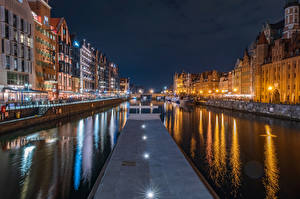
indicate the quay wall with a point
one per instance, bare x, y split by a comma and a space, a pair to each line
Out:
55, 113
291, 112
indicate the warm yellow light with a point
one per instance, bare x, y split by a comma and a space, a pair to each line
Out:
201, 92
235, 90
151, 91
210, 91
270, 88
217, 90
223, 91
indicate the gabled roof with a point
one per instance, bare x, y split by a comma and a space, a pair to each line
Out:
262, 39
55, 22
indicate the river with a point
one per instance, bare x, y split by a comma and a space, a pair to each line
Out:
241, 155
60, 159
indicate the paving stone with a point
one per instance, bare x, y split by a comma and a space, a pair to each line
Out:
166, 171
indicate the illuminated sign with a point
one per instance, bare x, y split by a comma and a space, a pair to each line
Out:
76, 44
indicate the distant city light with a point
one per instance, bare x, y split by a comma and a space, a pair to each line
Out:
143, 126
146, 155
76, 44
144, 137
151, 91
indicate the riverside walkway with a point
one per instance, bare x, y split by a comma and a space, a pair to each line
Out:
147, 163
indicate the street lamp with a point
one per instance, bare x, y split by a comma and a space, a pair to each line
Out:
270, 88
151, 91
235, 89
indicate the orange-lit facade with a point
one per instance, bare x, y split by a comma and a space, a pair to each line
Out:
208, 84
44, 49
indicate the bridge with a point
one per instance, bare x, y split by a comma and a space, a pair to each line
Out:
149, 95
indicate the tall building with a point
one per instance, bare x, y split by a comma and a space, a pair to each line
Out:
75, 70
183, 83
87, 69
113, 78
63, 58
17, 58
291, 18
242, 77
277, 60
208, 84
125, 85
45, 47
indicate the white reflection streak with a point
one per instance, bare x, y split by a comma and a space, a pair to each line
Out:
88, 151
78, 157
112, 128
96, 131
103, 129
27, 159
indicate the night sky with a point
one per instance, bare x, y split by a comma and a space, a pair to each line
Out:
152, 39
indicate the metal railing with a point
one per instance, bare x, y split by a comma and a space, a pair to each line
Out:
39, 104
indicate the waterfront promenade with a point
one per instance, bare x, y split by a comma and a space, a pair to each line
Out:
147, 163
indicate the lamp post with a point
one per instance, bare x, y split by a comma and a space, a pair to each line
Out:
270, 89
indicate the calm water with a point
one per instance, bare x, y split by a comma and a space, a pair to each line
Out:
241, 155
61, 159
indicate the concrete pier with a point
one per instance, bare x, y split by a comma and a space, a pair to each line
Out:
147, 163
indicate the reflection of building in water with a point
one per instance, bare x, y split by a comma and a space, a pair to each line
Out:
235, 162
222, 151
16, 143
87, 151
78, 156
216, 150
112, 128
193, 146
103, 129
209, 141
271, 168
178, 125
96, 131
201, 128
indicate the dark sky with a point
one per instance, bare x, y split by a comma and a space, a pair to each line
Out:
152, 39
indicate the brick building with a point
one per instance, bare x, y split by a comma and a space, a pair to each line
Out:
45, 47
63, 58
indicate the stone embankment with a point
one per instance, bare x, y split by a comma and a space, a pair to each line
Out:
291, 112
57, 112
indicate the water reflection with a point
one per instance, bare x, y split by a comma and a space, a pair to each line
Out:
235, 161
222, 168
209, 144
62, 161
271, 169
78, 156
223, 145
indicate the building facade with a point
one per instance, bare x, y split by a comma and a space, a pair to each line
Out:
278, 60
17, 58
44, 48
87, 72
208, 84
125, 85
113, 79
75, 70
63, 58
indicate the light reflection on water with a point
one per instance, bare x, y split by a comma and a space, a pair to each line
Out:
62, 161
229, 149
